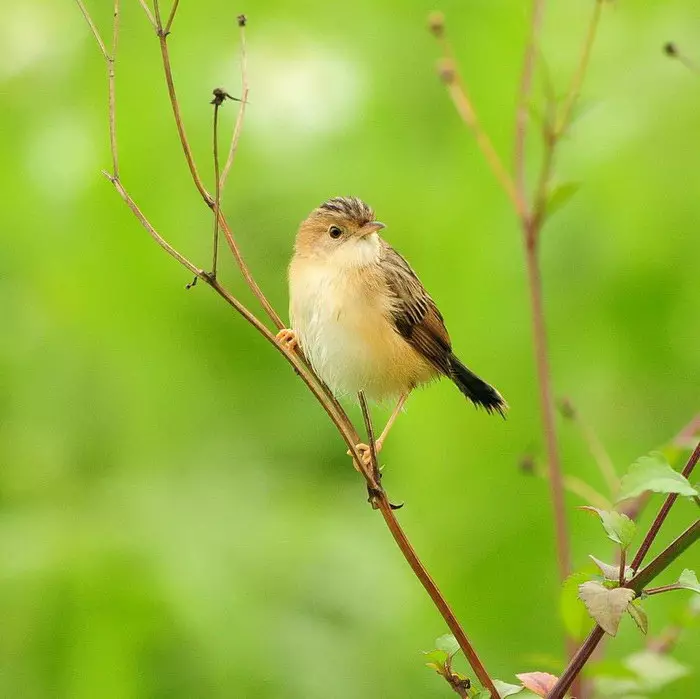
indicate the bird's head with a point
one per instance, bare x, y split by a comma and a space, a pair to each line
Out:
342, 230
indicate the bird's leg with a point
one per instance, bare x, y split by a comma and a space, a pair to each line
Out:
288, 339
364, 449
392, 419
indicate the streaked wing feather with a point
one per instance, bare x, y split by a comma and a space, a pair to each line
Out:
415, 315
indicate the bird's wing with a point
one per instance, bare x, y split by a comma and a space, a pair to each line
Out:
414, 314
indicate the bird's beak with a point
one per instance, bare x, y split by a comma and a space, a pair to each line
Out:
371, 227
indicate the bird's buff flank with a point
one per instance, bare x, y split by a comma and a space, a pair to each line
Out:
362, 317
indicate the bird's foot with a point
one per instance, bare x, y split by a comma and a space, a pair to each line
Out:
287, 338
365, 453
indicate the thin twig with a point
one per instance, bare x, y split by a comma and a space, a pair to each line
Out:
149, 14
233, 148
623, 563
450, 75
219, 97
112, 94
662, 588
579, 487
522, 115
95, 31
171, 18
367, 417
547, 410
208, 199
574, 90
595, 445
663, 513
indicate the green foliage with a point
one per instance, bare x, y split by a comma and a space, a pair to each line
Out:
619, 527
560, 196
448, 644
653, 473
507, 690
688, 580
639, 615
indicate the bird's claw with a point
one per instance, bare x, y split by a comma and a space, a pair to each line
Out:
287, 338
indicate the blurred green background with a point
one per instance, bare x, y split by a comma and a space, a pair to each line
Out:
177, 516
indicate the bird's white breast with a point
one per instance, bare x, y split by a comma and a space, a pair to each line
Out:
340, 313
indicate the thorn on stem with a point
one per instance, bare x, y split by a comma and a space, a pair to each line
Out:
242, 20
436, 24
193, 283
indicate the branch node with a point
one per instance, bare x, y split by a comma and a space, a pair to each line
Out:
447, 70
242, 20
436, 24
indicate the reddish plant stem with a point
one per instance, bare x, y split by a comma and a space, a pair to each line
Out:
521, 119
547, 405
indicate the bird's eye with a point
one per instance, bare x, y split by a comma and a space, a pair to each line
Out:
335, 232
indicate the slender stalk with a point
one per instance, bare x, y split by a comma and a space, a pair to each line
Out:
149, 14
663, 513
457, 88
662, 588
209, 201
623, 563
112, 94
238, 126
574, 90
217, 101
547, 410
521, 119
171, 18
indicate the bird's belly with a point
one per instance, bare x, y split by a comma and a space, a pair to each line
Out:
351, 343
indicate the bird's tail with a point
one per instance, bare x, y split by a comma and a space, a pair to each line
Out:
478, 391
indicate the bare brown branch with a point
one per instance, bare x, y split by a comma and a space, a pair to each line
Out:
522, 116
457, 89
233, 148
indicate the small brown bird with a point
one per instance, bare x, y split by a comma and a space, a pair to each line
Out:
362, 317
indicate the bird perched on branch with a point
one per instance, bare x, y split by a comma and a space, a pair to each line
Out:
362, 317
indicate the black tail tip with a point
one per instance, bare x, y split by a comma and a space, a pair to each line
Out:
477, 390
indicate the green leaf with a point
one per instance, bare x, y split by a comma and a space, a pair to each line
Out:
611, 572
653, 473
506, 690
572, 612
447, 643
604, 605
639, 615
436, 658
619, 528
560, 195
656, 670
689, 581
